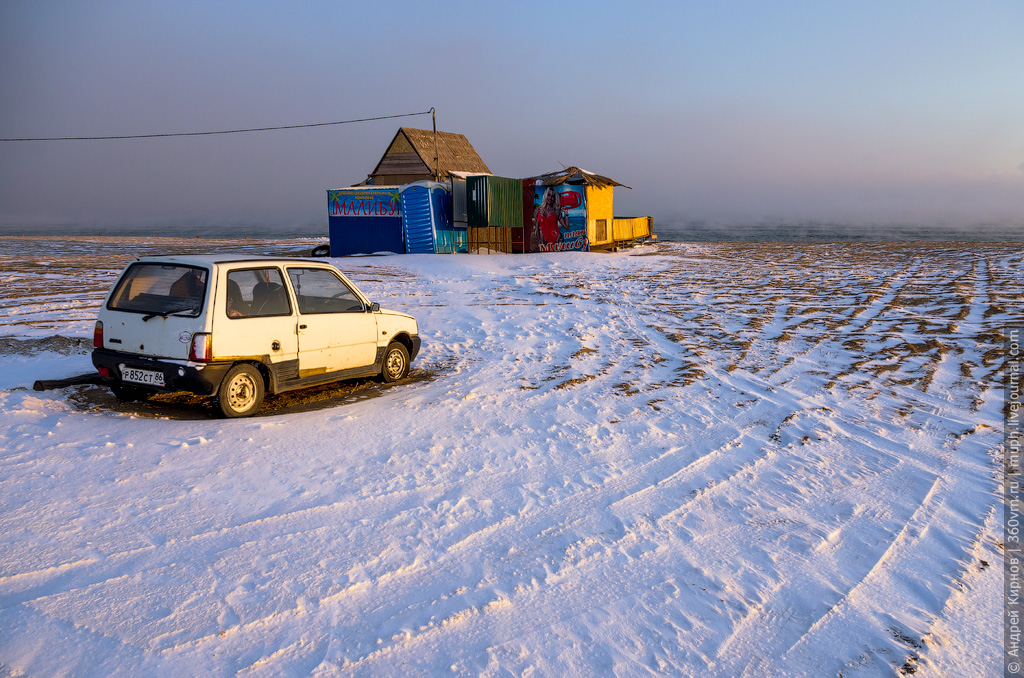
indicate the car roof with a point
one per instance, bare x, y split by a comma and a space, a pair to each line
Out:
209, 260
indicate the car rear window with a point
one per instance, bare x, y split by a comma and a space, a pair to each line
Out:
160, 289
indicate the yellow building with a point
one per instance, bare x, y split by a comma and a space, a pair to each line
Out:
604, 230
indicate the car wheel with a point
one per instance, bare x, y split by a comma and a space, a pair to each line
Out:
396, 362
321, 251
241, 392
128, 394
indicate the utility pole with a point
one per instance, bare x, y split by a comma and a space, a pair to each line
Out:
433, 117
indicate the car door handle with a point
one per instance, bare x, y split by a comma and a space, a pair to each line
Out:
302, 327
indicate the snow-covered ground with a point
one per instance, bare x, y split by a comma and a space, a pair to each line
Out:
693, 460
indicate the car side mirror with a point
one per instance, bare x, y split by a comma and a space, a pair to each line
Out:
374, 307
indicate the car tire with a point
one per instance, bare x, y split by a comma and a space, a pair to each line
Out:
241, 392
321, 251
396, 362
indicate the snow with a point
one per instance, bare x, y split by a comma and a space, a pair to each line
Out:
715, 459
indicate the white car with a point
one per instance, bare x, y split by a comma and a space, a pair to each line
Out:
238, 327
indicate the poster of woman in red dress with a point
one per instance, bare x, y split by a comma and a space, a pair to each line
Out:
549, 219
558, 220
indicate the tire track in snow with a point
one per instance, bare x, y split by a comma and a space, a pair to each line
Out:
978, 586
603, 582
760, 634
578, 546
924, 543
564, 542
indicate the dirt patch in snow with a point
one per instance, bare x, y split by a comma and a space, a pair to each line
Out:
56, 344
185, 406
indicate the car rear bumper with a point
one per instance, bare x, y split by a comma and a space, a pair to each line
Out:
200, 378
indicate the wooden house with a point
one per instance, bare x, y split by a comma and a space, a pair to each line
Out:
417, 155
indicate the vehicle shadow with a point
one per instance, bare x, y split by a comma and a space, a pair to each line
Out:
186, 406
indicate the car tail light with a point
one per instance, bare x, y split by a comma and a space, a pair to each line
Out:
201, 348
104, 371
97, 335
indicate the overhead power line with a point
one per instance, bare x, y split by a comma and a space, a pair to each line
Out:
226, 131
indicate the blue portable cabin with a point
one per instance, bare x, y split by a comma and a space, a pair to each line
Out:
427, 219
365, 220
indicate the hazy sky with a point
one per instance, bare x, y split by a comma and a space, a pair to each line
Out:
867, 110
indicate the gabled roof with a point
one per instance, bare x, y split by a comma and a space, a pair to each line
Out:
454, 152
575, 175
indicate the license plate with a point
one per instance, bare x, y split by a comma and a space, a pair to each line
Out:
137, 376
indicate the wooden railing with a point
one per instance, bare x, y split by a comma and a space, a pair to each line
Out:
625, 229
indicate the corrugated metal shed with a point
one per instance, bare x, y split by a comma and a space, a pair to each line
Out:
494, 201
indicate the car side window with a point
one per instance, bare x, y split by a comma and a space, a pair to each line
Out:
256, 293
319, 290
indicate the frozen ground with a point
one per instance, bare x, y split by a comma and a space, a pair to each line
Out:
695, 460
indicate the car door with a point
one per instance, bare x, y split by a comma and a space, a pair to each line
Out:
254, 316
335, 329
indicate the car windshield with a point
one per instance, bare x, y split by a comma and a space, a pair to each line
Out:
160, 289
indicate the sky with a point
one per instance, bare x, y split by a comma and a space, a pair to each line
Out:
868, 112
